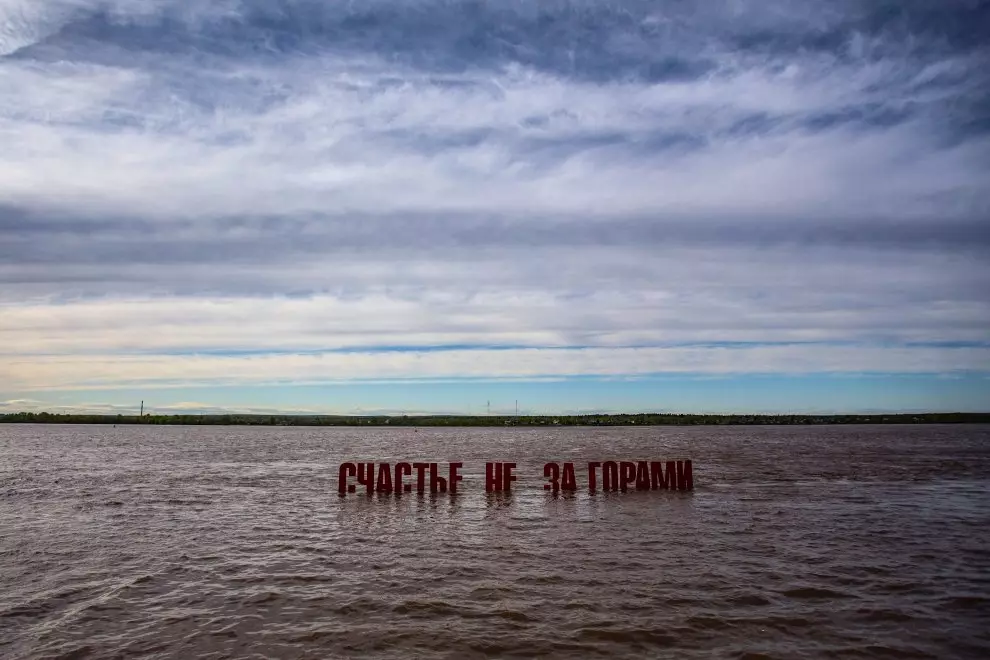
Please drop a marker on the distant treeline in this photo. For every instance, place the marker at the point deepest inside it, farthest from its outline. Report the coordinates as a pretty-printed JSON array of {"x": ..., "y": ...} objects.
[{"x": 645, "y": 419}]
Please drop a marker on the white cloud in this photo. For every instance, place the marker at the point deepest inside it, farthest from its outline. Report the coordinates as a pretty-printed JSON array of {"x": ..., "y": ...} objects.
[
  {"x": 120, "y": 371},
  {"x": 568, "y": 298}
]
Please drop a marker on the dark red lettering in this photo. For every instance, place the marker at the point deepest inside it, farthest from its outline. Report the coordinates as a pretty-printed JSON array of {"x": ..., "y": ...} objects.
[
  {"x": 627, "y": 474},
  {"x": 384, "y": 484},
  {"x": 569, "y": 481},
  {"x": 493, "y": 477},
  {"x": 345, "y": 470},
  {"x": 454, "y": 477},
  {"x": 437, "y": 483},
  {"x": 642, "y": 476},
  {"x": 552, "y": 472},
  {"x": 402, "y": 469},
  {"x": 685, "y": 480},
  {"x": 663, "y": 479},
  {"x": 421, "y": 476},
  {"x": 366, "y": 476},
  {"x": 610, "y": 475},
  {"x": 593, "y": 476},
  {"x": 507, "y": 476}
]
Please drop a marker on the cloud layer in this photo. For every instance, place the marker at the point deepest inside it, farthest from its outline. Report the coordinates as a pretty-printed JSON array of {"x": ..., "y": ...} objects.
[{"x": 254, "y": 191}]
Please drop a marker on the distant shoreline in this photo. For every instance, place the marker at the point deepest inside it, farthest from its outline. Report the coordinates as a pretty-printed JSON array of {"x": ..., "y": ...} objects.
[{"x": 644, "y": 419}]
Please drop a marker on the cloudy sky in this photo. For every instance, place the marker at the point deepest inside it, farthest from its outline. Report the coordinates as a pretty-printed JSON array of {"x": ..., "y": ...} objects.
[{"x": 426, "y": 205}]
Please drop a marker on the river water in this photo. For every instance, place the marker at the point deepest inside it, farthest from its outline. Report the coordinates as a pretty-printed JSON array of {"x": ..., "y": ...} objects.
[{"x": 232, "y": 542}]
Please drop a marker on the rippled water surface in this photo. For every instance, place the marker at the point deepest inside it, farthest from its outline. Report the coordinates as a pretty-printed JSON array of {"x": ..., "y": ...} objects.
[{"x": 180, "y": 542}]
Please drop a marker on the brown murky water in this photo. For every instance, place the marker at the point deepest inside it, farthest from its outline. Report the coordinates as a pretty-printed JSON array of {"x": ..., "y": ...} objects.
[{"x": 171, "y": 542}]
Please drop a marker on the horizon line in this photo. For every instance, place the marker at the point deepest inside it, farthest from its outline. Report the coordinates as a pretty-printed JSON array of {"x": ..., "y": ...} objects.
[{"x": 193, "y": 413}]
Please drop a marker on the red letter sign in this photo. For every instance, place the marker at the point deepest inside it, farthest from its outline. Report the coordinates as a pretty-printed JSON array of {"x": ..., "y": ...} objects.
[
  {"x": 454, "y": 477},
  {"x": 345, "y": 470}
]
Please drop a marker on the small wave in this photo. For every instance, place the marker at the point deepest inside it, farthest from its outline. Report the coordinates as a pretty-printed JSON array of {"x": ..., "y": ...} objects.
[
  {"x": 815, "y": 592},
  {"x": 884, "y": 651},
  {"x": 752, "y": 600},
  {"x": 575, "y": 605},
  {"x": 490, "y": 649},
  {"x": 28, "y": 610},
  {"x": 541, "y": 579},
  {"x": 706, "y": 622},
  {"x": 260, "y": 598},
  {"x": 101, "y": 607},
  {"x": 75, "y": 654},
  {"x": 635, "y": 635},
  {"x": 357, "y": 607},
  {"x": 884, "y": 615},
  {"x": 512, "y": 615},
  {"x": 311, "y": 636},
  {"x": 965, "y": 602},
  {"x": 426, "y": 608}
]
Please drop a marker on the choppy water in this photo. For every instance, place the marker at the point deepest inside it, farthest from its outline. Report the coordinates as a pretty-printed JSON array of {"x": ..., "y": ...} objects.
[{"x": 177, "y": 542}]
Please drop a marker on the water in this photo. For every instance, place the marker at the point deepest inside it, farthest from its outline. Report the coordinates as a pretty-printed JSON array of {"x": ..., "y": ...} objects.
[{"x": 178, "y": 542}]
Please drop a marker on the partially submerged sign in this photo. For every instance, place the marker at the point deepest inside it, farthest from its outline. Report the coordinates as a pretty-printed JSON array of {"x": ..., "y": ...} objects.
[{"x": 612, "y": 476}]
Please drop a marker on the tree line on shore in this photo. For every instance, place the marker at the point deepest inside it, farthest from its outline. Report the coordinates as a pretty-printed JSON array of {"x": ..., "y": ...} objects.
[{"x": 642, "y": 419}]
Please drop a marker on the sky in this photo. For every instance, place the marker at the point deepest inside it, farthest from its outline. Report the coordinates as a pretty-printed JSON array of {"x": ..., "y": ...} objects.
[{"x": 411, "y": 206}]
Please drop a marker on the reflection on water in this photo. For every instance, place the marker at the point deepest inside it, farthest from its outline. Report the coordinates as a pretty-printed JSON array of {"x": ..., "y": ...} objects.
[{"x": 233, "y": 542}]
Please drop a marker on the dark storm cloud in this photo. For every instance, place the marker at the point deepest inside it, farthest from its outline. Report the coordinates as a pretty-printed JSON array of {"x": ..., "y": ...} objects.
[{"x": 111, "y": 242}]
